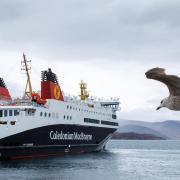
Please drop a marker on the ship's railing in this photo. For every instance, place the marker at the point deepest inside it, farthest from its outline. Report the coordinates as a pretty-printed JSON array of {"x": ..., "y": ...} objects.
[
  {"x": 112, "y": 103},
  {"x": 19, "y": 102},
  {"x": 92, "y": 99},
  {"x": 92, "y": 102}
]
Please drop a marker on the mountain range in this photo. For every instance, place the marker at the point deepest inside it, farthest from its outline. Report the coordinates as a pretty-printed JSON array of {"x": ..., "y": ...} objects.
[{"x": 169, "y": 129}]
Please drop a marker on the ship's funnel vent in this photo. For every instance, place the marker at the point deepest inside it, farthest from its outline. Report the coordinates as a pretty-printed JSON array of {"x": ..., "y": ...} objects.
[
  {"x": 49, "y": 76},
  {"x": 50, "y": 88},
  {"x": 2, "y": 84},
  {"x": 4, "y": 93}
]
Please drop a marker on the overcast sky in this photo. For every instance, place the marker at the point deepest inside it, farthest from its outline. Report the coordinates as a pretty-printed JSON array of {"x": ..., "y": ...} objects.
[{"x": 108, "y": 44}]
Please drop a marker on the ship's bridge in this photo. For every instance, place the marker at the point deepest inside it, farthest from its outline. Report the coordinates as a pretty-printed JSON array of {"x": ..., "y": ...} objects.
[{"x": 114, "y": 104}]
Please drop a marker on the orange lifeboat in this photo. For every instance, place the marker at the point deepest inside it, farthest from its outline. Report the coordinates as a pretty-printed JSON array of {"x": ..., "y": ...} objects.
[{"x": 36, "y": 98}]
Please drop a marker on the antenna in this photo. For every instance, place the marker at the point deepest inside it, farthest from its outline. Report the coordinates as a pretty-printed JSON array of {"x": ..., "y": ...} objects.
[
  {"x": 26, "y": 66},
  {"x": 84, "y": 94}
]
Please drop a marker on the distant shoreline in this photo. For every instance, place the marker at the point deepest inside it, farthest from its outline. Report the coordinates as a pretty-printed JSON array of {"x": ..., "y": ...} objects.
[{"x": 135, "y": 136}]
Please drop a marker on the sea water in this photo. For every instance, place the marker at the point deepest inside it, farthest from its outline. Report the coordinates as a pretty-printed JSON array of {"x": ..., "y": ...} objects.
[{"x": 123, "y": 160}]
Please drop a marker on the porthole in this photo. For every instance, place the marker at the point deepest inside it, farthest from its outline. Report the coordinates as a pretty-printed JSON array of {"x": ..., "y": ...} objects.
[
  {"x": 67, "y": 107},
  {"x": 49, "y": 114},
  {"x": 45, "y": 114},
  {"x": 70, "y": 107},
  {"x": 41, "y": 114},
  {"x": 67, "y": 117},
  {"x": 70, "y": 117},
  {"x": 64, "y": 117}
]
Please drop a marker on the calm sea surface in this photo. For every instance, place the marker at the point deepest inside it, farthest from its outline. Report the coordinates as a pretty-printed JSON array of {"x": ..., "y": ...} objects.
[{"x": 131, "y": 160}]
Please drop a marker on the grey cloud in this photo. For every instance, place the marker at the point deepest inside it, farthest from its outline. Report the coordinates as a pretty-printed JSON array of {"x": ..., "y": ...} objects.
[
  {"x": 77, "y": 29},
  {"x": 10, "y": 10}
]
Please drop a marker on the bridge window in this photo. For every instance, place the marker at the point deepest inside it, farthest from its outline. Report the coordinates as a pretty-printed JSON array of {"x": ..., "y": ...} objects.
[
  {"x": 94, "y": 121},
  {"x": 30, "y": 112},
  {"x": 16, "y": 112},
  {"x": 3, "y": 122},
  {"x": 13, "y": 122},
  {"x": 1, "y": 113},
  {"x": 114, "y": 116},
  {"x": 10, "y": 113},
  {"x": 109, "y": 123},
  {"x": 5, "y": 113}
]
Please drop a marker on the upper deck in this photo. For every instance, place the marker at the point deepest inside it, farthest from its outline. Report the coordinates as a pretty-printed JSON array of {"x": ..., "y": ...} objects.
[{"x": 112, "y": 104}]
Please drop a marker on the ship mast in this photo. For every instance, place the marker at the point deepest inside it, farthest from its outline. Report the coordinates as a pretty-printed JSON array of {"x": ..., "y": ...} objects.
[
  {"x": 26, "y": 67},
  {"x": 84, "y": 94}
]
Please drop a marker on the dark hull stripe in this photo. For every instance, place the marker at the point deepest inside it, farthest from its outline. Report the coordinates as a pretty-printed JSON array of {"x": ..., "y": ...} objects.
[
  {"x": 34, "y": 152},
  {"x": 46, "y": 155},
  {"x": 65, "y": 139}
]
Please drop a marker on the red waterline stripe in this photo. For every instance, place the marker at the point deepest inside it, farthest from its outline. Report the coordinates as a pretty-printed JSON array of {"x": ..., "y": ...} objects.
[
  {"x": 40, "y": 155},
  {"x": 33, "y": 156}
]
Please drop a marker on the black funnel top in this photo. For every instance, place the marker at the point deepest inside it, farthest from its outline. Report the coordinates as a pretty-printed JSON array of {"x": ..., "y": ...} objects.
[
  {"x": 49, "y": 76},
  {"x": 2, "y": 84}
]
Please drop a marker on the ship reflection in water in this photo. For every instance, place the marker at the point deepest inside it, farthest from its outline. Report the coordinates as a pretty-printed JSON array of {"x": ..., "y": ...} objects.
[{"x": 123, "y": 160}]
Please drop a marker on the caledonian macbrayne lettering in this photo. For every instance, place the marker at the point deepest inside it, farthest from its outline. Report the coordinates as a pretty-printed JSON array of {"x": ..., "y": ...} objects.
[{"x": 55, "y": 135}]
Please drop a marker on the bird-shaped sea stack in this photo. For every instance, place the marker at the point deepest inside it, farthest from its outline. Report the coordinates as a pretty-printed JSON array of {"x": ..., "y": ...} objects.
[{"x": 172, "y": 102}]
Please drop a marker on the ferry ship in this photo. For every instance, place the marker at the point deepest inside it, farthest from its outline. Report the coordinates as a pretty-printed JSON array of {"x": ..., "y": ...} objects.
[{"x": 49, "y": 123}]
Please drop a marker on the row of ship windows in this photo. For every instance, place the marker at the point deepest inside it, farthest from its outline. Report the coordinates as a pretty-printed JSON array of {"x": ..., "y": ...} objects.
[
  {"x": 84, "y": 110},
  {"x": 15, "y": 112},
  {"x": 54, "y": 115},
  {"x": 6, "y": 113},
  {"x": 68, "y": 117},
  {"x": 5, "y": 122},
  {"x": 95, "y": 121},
  {"x": 11, "y": 112}
]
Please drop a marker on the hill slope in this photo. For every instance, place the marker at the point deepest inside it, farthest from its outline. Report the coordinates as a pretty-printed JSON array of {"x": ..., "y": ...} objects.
[{"x": 167, "y": 129}]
